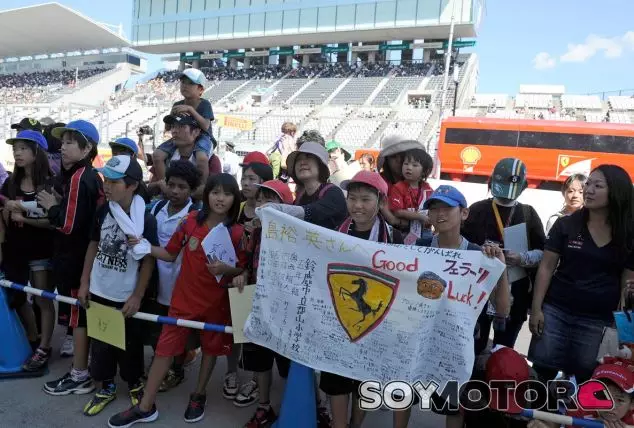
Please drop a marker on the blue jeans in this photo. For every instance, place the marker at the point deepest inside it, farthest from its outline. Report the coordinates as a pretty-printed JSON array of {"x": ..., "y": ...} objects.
[
  {"x": 203, "y": 144},
  {"x": 569, "y": 342}
]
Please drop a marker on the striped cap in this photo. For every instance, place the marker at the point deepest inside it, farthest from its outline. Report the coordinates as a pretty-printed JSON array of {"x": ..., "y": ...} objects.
[{"x": 508, "y": 180}]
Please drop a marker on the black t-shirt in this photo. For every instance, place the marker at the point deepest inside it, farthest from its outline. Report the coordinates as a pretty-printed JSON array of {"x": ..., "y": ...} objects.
[
  {"x": 587, "y": 281},
  {"x": 329, "y": 211},
  {"x": 23, "y": 241},
  {"x": 397, "y": 237}
]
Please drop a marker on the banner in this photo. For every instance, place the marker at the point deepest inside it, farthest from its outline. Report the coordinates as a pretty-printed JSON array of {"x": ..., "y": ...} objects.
[
  {"x": 365, "y": 310},
  {"x": 234, "y": 122}
]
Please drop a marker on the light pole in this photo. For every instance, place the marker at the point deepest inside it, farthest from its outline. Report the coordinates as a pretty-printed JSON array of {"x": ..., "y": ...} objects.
[{"x": 456, "y": 82}]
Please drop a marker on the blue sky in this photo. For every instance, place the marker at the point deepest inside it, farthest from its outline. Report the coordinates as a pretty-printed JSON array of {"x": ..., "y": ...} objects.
[{"x": 586, "y": 45}]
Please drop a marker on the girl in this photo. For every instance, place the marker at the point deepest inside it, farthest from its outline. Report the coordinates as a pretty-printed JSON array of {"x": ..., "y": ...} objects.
[
  {"x": 367, "y": 191},
  {"x": 255, "y": 170},
  {"x": 367, "y": 162},
  {"x": 406, "y": 198},
  {"x": 197, "y": 295},
  {"x": 572, "y": 190},
  {"x": 587, "y": 261},
  {"x": 29, "y": 237}
]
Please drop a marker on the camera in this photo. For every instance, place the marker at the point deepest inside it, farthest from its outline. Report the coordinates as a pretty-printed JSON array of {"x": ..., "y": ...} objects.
[{"x": 145, "y": 130}]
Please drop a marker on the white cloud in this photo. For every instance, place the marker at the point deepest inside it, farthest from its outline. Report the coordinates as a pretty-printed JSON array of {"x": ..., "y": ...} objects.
[
  {"x": 543, "y": 61},
  {"x": 610, "y": 47}
]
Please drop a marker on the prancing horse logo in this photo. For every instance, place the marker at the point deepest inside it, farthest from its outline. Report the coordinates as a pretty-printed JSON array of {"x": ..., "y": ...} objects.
[{"x": 361, "y": 297}]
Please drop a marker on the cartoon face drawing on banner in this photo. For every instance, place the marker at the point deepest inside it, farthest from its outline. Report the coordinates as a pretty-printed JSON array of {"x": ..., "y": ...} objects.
[
  {"x": 361, "y": 297},
  {"x": 430, "y": 285}
]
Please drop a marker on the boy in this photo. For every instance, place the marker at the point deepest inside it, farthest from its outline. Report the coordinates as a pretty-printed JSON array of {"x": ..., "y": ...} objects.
[
  {"x": 125, "y": 146},
  {"x": 192, "y": 86},
  {"x": 182, "y": 179},
  {"x": 447, "y": 209},
  {"x": 257, "y": 358},
  {"x": 117, "y": 275},
  {"x": 71, "y": 214},
  {"x": 284, "y": 146}
]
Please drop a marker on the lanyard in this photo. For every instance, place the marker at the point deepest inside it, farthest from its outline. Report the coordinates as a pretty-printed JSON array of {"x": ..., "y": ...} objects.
[{"x": 498, "y": 219}]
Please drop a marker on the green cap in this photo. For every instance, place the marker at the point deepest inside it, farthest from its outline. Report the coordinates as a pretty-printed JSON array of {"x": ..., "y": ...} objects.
[
  {"x": 508, "y": 180},
  {"x": 333, "y": 145}
]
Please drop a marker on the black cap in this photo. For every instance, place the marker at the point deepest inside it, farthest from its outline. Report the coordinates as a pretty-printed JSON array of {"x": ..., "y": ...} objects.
[
  {"x": 181, "y": 119},
  {"x": 28, "y": 123}
]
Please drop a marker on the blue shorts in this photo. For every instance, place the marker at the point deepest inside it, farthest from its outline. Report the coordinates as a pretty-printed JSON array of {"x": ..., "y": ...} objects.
[
  {"x": 203, "y": 144},
  {"x": 569, "y": 342}
]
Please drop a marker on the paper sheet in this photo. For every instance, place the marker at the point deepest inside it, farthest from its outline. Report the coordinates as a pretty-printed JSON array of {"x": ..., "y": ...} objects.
[
  {"x": 516, "y": 240},
  {"x": 218, "y": 246},
  {"x": 241, "y": 304},
  {"x": 106, "y": 324}
]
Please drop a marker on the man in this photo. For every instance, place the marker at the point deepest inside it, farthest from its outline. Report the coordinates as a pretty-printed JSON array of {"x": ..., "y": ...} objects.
[{"x": 488, "y": 224}]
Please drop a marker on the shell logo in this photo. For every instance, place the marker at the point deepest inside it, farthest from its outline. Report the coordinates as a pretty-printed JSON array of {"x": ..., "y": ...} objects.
[{"x": 470, "y": 157}]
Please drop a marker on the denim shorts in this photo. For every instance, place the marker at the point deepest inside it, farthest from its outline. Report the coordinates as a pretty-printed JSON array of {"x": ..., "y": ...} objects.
[
  {"x": 569, "y": 342},
  {"x": 40, "y": 265}
]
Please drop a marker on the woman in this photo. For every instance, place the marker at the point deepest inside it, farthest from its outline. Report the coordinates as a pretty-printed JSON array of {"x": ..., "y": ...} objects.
[
  {"x": 572, "y": 190},
  {"x": 587, "y": 260}
]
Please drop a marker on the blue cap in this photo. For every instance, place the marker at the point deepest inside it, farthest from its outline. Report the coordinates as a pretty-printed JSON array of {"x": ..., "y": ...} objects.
[
  {"x": 447, "y": 194},
  {"x": 84, "y": 127},
  {"x": 32, "y": 136},
  {"x": 127, "y": 143}
]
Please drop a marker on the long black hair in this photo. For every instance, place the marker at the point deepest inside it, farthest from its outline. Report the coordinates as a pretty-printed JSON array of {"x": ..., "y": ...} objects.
[
  {"x": 229, "y": 184},
  {"x": 620, "y": 206},
  {"x": 40, "y": 170}
]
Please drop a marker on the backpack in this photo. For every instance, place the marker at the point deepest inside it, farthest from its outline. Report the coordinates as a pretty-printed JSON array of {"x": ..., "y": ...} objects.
[{"x": 322, "y": 192}]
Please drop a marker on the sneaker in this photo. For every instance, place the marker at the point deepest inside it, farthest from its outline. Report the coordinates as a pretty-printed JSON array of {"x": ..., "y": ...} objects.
[
  {"x": 323, "y": 418},
  {"x": 196, "y": 408},
  {"x": 136, "y": 393},
  {"x": 230, "y": 386},
  {"x": 247, "y": 395},
  {"x": 66, "y": 386},
  {"x": 132, "y": 416},
  {"x": 172, "y": 380},
  {"x": 262, "y": 418},
  {"x": 68, "y": 348},
  {"x": 100, "y": 400},
  {"x": 190, "y": 358},
  {"x": 37, "y": 361}
]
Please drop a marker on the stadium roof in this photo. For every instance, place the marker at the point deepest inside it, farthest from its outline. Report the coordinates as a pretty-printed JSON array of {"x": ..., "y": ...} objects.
[{"x": 52, "y": 28}]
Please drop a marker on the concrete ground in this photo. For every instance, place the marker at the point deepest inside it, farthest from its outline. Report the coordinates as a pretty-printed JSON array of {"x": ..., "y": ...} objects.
[{"x": 24, "y": 404}]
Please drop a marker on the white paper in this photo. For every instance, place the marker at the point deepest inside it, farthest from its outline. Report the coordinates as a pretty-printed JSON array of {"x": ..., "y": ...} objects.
[
  {"x": 218, "y": 246},
  {"x": 32, "y": 210},
  {"x": 516, "y": 240},
  {"x": 356, "y": 308}
]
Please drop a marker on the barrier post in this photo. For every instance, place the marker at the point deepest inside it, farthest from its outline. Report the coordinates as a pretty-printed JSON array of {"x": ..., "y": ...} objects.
[{"x": 299, "y": 405}]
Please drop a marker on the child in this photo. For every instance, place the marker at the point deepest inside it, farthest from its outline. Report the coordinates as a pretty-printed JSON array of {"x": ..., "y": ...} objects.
[
  {"x": 257, "y": 358},
  {"x": 197, "y": 295},
  {"x": 125, "y": 146},
  {"x": 116, "y": 275},
  {"x": 406, "y": 197},
  {"x": 283, "y": 146},
  {"x": 29, "y": 239},
  {"x": 367, "y": 192},
  {"x": 182, "y": 179},
  {"x": 255, "y": 171},
  {"x": 72, "y": 214},
  {"x": 192, "y": 86},
  {"x": 447, "y": 211}
]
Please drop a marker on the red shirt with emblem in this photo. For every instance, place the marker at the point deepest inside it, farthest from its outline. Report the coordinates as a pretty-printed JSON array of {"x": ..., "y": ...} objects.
[
  {"x": 402, "y": 197},
  {"x": 196, "y": 292}
]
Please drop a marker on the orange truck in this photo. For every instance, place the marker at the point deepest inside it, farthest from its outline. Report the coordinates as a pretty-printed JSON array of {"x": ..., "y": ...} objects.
[{"x": 469, "y": 148}]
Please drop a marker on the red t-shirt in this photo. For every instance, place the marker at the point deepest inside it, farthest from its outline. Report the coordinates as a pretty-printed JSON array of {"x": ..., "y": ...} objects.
[
  {"x": 402, "y": 197},
  {"x": 196, "y": 292},
  {"x": 215, "y": 166}
]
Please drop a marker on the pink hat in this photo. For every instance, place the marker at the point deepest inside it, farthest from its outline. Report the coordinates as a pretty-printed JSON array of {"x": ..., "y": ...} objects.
[
  {"x": 372, "y": 179},
  {"x": 280, "y": 188}
]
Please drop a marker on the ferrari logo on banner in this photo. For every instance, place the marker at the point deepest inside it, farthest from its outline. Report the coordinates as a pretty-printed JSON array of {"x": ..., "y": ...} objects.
[
  {"x": 361, "y": 296},
  {"x": 565, "y": 161}
]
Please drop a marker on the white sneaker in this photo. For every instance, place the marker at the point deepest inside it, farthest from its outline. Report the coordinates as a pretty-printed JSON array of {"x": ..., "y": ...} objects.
[
  {"x": 247, "y": 395},
  {"x": 68, "y": 349},
  {"x": 230, "y": 386}
]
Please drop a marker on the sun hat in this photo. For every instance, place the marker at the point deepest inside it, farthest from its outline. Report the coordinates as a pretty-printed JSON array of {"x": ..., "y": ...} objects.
[
  {"x": 311, "y": 148},
  {"x": 395, "y": 144},
  {"x": 372, "y": 179}
]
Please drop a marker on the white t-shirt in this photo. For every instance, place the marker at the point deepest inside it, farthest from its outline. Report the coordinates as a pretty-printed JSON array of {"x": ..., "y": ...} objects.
[
  {"x": 168, "y": 272},
  {"x": 231, "y": 165},
  {"x": 115, "y": 272}
]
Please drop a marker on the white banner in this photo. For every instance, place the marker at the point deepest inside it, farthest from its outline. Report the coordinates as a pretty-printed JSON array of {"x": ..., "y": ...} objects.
[{"x": 366, "y": 310}]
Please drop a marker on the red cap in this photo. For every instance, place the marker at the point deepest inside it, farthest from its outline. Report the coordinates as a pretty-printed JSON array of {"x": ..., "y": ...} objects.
[
  {"x": 280, "y": 188},
  {"x": 372, "y": 179},
  {"x": 255, "y": 157},
  {"x": 617, "y": 370},
  {"x": 506, "y": 364}
]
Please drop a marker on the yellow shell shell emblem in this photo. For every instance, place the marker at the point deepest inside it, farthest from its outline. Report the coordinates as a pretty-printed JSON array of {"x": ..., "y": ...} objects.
[{"x": 470, "y": 155}]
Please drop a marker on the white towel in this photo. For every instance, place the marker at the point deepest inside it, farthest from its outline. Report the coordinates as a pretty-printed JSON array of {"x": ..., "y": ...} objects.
[{"x": 132, "y": 225}]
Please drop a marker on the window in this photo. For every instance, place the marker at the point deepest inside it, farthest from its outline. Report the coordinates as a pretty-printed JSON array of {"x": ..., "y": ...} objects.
[
  {"x": 225, "y": 27},
  {"x": 196, "y": 29},
  {"x": 182, "y": 31},
  {"x": 169, "y": 32},
  {"x": 243, "y": 4},
  {"x": 427, "y": 12},
  {"x": 198, "y": 6},
  {"x": 291, "y": 21},
  {"x": 541, "y": 140},
  {"x": 157, "y": 8},
  {"x": 345, "y": 17},
  {"x": 256, "y": 27},
  {"x": 144, "y": 34},
  {"x": 212, "y": 5},
  {"x": 326, "y": 19},
  {"x": 170, "y": 7},
  {"x": 365, "y": 16},
  {"x": 156, "y": 33},
  {"x": 227, "y": 4},
  {"x": 184, "y": 6},
  {"x": 406, "y": 13},
  {"x": 385, "y": 14},
  {"x": 211, "y": 27},
  {"x": 273, "y": 24},
  {"x": 144, "y": 8},
  {"x": 308, "y": 20},
  {"x": 241, "y": 26}
]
